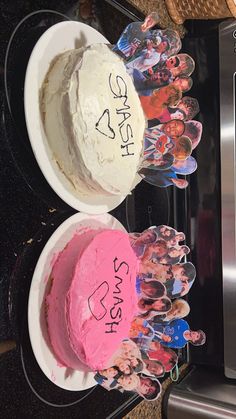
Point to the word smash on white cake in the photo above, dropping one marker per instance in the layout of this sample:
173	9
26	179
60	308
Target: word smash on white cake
93	120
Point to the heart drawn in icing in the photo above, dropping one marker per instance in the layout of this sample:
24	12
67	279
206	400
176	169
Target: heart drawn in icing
103	125
95	301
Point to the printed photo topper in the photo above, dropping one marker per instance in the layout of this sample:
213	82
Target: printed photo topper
134	36
177	279
129	372
161	76
154	343
175	334
162	274
159	244
148	308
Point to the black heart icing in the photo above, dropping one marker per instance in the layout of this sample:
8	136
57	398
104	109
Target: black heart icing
95	301
103	125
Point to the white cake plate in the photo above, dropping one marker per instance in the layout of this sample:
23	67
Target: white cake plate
63	377
57	39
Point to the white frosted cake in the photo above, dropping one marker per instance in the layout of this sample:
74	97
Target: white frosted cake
93	120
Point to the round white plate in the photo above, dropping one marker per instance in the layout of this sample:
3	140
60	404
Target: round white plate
63	377
57	39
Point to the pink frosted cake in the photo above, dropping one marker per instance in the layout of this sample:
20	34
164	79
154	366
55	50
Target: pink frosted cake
92	299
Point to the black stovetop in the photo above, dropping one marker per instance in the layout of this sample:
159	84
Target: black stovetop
31	211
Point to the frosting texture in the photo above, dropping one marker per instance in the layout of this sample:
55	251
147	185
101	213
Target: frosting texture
92	300
93	120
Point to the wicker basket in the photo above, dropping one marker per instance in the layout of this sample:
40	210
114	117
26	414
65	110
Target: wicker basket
179	10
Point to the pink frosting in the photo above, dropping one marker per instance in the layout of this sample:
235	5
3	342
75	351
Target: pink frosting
92	300
102	301
61	275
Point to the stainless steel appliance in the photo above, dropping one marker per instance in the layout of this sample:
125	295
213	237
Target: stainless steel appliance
209	391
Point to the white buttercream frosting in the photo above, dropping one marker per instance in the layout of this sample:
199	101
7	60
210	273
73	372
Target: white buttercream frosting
93	120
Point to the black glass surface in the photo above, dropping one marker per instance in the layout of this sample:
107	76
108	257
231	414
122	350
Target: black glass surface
203	206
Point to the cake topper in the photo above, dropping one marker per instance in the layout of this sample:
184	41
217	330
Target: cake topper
158	329
130	372
161	76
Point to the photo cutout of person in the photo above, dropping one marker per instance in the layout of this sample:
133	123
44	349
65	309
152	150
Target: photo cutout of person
170	63
177	334
164	162
173	128
140	328
128	350
167	356
125	362
156	106
154	50
184	167
183	277
163	178
134	35
182	148
185	109
193	130
179	65
172	238
180	309
174	255
107	377
189	106
155	250
137	364
148	288
149	308
123	365
174	241
127	377
149	387
126	366
153	350
153	367
168	233
146	84
173	113
185	67
176	288
156	143
183	83
139	241
177	279
166	114
127	382
174	41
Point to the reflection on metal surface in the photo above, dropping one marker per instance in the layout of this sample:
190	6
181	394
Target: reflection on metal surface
202	394
129	11
227	101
